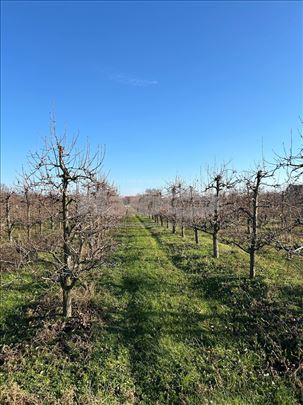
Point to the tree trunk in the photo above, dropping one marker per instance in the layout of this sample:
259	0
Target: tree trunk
174	228
28	218
254	227
182	231
167	224
67	302
215	245
161	220
196	235
65	281
28	231
216	219
9	225
252	260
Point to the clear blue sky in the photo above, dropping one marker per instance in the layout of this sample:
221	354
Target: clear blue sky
168	87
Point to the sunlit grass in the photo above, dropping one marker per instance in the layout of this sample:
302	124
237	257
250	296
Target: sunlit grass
165	324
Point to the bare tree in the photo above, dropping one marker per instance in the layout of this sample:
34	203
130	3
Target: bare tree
72	178
193	209
291	165
221	181
22	193
9	207
292	160
252	221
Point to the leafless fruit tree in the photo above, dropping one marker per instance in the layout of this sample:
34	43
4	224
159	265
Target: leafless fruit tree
290	163
253	221
72	179
221	182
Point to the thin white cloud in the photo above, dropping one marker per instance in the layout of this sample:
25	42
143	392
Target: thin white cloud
132	81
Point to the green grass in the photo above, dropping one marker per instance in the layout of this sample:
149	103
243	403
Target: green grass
164	324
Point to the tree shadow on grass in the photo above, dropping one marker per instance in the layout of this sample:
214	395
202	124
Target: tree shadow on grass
268	318
18	326
21	322
141	328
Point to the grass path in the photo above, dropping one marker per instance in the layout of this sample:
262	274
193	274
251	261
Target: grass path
163	320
